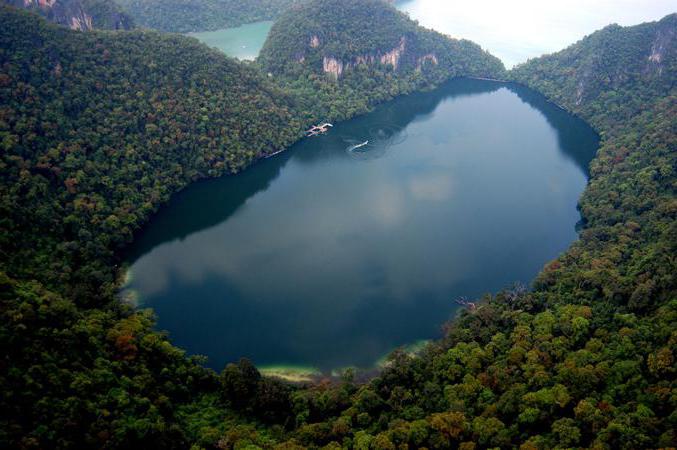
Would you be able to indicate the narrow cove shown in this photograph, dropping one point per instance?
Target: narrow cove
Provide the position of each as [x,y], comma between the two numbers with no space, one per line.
[243,42]
[328,256]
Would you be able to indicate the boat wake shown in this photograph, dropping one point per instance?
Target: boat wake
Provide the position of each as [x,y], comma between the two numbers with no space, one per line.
[357,146]
[380,138]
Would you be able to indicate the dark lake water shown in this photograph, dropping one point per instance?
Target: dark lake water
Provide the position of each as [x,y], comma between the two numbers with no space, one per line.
[326,256]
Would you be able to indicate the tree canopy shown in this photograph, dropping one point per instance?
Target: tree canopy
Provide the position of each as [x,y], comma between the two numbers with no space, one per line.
[182,16]
[340,58]
[84,15]
[99,129]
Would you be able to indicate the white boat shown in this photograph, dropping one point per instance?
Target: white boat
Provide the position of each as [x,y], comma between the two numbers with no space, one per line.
[318,129]
[361,145]
[273,154]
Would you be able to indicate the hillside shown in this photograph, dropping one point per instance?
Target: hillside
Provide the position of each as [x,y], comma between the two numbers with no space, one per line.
[349,55]
[182,16]
[99,129]
[597,73]
[587,358]
[83,15]
[622,81]
[110,125]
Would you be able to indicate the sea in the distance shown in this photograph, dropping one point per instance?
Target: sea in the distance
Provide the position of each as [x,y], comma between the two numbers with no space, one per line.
[331,255]
[514,32]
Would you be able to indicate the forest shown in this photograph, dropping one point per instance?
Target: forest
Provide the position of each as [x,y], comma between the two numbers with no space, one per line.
[309,44]
[84,15]
[176,16]
[182,16]
[98,129]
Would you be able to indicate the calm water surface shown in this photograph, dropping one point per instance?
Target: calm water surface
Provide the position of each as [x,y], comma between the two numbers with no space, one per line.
[329,255]
[243,42]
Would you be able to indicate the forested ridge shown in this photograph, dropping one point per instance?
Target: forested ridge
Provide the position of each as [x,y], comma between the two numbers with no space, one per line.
[98,129]
[84,15]
[341,58]
[182,16]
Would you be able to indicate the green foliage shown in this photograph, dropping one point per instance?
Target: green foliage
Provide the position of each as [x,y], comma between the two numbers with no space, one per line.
[341,57]
[243,388]
[88,378]
[586,358]
[80,14]
[107,15]
[101,128]
[182,16]
[98,129]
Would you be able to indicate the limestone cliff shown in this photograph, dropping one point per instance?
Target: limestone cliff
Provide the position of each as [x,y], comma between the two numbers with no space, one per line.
[608,60]
[353,54]
[337,37]
[82,15]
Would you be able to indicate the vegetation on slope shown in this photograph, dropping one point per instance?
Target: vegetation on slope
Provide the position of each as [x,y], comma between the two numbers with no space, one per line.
[585,359]
[342,57]
[622,81]
[182,16]
[82,15]
[98,129]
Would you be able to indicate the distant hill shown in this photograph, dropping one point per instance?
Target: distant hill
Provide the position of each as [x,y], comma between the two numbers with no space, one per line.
[369,49]
[586,357]
[623,81]
[143,99]
[617,67]
[84,15]
[183,16]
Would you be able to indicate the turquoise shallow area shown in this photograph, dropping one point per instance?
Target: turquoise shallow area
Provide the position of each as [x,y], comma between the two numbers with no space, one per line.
[242,42]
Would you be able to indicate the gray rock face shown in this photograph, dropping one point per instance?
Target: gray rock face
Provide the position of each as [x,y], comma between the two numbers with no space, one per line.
[82,15]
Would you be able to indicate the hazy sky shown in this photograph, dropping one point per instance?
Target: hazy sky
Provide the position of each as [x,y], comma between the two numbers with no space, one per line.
[520,29]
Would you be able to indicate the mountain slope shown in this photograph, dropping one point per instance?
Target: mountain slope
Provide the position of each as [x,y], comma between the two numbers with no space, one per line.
[348,55]
[97,130]
[585,359]
[113,124]
[83,15]
[183,16]
[589,73]
[622,81]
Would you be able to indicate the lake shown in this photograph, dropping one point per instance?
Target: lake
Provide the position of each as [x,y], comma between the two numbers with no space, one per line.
[243,42]
[329,255]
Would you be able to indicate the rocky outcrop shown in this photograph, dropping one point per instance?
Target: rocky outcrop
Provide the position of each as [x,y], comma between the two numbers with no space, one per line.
[430,58]
[367,38]
[79,15]
[335,68]
[393,56]
[81,23]
[332,67]
[665,36]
